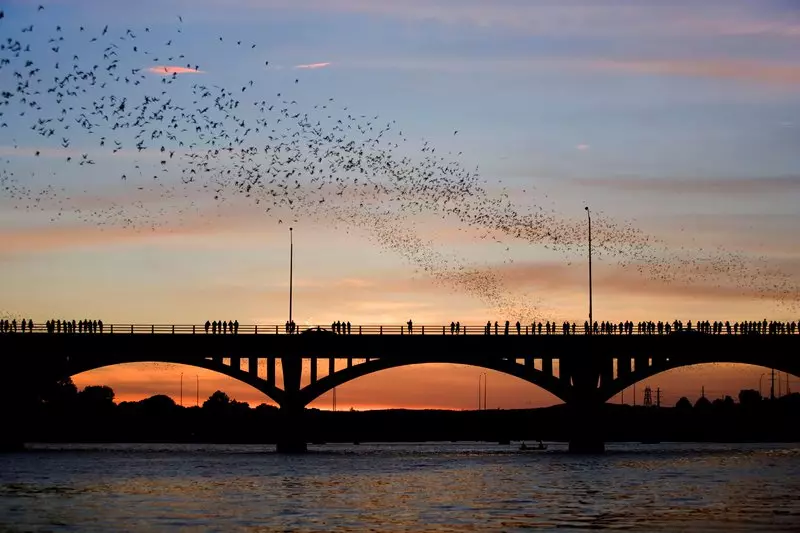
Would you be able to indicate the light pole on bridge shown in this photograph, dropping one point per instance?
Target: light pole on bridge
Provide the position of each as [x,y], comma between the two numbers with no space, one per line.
[291,269]
[482,376]
[589,215]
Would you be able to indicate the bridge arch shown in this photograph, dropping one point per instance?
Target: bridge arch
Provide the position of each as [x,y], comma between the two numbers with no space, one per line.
[551,384]
[275,394]
[621,383]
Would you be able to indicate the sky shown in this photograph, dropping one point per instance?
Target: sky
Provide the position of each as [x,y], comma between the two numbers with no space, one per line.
[680,119]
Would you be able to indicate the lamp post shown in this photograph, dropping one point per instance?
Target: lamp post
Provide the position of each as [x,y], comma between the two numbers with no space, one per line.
[482,376]
[591,322]
[291,268]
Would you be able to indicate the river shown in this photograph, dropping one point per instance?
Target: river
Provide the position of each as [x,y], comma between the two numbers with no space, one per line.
[400,487]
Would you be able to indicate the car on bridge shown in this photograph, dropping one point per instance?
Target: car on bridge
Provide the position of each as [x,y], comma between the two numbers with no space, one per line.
[318,331]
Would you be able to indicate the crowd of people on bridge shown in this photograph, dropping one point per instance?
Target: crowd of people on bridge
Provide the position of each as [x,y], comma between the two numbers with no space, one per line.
[10,326]
[74,326]
[222,327]
[342,328]
[642,328]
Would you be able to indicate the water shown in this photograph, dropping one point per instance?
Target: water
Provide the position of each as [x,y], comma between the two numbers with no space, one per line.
[432,487]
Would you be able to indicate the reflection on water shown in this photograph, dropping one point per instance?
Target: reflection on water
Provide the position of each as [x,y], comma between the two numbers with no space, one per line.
[135,487]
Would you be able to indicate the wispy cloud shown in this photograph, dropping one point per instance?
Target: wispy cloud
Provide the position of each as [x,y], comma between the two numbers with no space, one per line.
[311,66]
[573,17]
[762,185]
[169,70]
[752,71]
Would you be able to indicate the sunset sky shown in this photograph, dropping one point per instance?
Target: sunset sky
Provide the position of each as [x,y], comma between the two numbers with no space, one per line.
[681,118]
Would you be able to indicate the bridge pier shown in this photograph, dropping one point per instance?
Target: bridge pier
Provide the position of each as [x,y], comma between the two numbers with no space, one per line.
[585,412]
[291,430]
[292,427]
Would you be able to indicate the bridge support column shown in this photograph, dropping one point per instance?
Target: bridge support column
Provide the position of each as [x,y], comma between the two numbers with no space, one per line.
[291,431]
[586,429]
[12,422]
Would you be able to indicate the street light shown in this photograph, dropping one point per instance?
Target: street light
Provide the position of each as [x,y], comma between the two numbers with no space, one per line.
[291,259]
[589,215]
[483,376]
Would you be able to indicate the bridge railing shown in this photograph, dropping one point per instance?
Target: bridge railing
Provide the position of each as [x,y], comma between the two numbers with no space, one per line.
[370,329]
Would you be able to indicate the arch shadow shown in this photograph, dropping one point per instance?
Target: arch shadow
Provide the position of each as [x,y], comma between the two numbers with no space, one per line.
[272,392]
[551,384]
[616,386]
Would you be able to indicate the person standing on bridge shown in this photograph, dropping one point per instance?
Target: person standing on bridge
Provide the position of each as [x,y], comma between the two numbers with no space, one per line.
[410,326]
[452,327]
[519,327]
[208,325]
[236,327]
[506,328]
[458,327]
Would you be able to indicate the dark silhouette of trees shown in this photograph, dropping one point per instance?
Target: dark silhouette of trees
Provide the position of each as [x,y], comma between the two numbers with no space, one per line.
[683,404]
[702,403]
[158,405]
[97,397]
[218,401]
[749,398]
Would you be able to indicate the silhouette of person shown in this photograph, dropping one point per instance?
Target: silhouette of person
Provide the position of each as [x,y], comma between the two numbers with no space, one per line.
[207,325]
[452,327]
[410,326]
[519,327]
[458,327]
[506,328]
[236,326]
[495,327]
[214,327]
[488,327]
[24,324]
[348,327]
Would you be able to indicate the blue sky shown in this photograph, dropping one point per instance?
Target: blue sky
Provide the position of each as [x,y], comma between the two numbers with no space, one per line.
[680,118]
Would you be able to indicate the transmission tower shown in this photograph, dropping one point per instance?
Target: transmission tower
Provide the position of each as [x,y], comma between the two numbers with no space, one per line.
[648,397]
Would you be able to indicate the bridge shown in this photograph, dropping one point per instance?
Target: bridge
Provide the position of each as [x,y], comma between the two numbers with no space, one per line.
[583,369]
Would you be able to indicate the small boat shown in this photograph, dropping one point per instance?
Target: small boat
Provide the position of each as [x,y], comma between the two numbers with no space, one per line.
[525,448]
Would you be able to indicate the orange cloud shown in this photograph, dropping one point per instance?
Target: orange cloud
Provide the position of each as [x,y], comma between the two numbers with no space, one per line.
[313,65]
[168,70]
[625,281]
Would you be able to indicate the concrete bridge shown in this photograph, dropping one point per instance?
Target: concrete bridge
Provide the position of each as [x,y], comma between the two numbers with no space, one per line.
[583,370]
